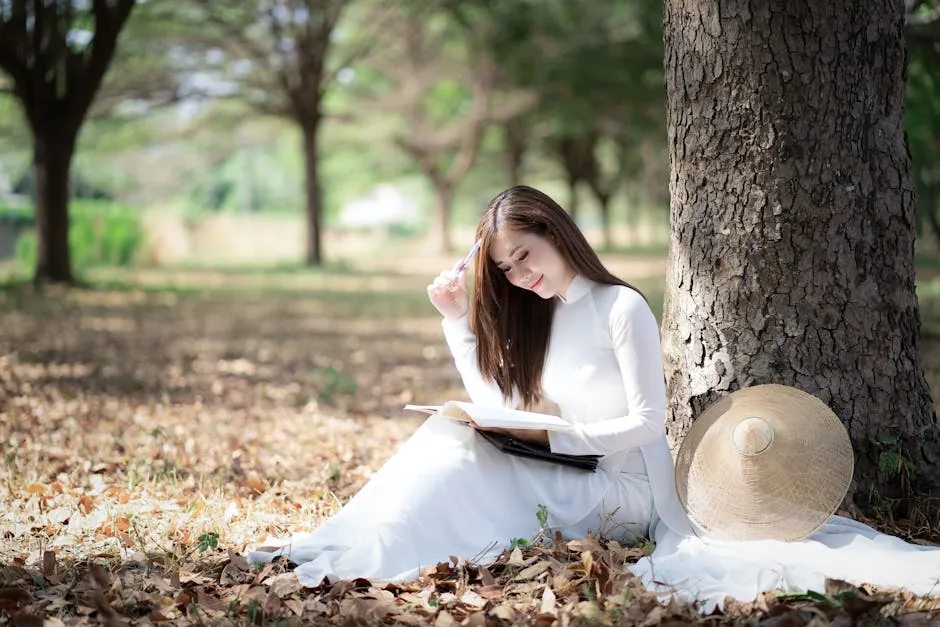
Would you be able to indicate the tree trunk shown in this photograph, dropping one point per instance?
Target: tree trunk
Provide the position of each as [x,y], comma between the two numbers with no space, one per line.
[444,200]
[573,200]
[314,194]
[515,149]
[52,161]
[792,209]
[603,201]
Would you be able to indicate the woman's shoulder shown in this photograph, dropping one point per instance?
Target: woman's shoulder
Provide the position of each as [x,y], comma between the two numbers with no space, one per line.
[619,301]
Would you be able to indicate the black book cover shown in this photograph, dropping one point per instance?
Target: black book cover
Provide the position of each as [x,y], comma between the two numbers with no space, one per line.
[520,448]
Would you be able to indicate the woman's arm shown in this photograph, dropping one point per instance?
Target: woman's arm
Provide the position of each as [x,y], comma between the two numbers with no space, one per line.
[635,337]
[463,346]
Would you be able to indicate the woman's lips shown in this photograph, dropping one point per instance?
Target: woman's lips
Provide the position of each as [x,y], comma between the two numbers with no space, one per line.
[537,284]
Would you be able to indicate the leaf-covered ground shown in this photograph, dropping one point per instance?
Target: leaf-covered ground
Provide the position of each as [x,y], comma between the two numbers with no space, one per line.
[155,429]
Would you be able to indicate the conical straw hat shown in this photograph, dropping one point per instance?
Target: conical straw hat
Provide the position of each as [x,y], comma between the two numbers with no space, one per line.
[766,462]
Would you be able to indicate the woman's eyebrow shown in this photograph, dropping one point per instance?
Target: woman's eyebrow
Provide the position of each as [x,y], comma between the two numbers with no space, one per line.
[512,252]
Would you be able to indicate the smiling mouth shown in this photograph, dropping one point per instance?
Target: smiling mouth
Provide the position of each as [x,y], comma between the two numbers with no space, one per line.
[538,283]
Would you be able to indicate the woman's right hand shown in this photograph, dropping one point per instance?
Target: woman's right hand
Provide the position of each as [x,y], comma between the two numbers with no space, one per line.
[448,293]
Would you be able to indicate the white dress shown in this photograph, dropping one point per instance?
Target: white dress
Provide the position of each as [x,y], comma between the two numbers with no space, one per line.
[447,492]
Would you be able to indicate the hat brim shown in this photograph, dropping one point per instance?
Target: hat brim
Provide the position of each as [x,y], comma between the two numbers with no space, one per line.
[785,491]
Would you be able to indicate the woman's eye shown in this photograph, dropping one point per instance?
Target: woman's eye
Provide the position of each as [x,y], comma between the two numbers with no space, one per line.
[505,270]
[524,256]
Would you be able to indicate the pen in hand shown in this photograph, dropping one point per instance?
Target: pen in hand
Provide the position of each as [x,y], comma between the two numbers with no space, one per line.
[463,265]
[466,260]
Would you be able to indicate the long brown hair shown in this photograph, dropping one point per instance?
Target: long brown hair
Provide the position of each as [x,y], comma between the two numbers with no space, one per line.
[513,325]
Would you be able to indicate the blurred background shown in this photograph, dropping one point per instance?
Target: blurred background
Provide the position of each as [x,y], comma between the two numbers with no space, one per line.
[280,133]
[196,149]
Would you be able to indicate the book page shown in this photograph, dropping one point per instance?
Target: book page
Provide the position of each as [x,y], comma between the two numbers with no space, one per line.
[430,410]
[504,418]
[499,417]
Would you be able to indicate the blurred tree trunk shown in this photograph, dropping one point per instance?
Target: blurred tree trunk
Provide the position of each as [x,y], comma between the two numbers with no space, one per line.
[516,137]
[792,209]
[443,204]
[574,199]
[52,159]
[603,203]
[55,80]
[605,186]
[314,195]
[574,154]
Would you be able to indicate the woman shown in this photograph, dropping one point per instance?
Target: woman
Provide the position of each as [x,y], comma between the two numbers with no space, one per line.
[547,322]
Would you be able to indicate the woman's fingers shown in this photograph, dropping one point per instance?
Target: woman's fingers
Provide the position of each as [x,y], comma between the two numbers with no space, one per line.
[448,293]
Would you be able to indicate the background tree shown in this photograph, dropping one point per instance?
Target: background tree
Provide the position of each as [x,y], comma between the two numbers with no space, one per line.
[277,57]
[791,259]
[922,115]
[56,55]
[442,83]
[597,71]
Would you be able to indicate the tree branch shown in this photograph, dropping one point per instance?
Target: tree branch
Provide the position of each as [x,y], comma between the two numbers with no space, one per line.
[39,68]
[234,34]
[470,146]
[277,34]
[424,159]
[10,62]
[108,24]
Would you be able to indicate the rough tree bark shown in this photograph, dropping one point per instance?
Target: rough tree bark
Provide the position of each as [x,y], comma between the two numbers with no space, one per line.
[793,220]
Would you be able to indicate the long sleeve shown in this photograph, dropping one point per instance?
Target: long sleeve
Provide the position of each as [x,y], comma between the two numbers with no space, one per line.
[463,346]
[634,336]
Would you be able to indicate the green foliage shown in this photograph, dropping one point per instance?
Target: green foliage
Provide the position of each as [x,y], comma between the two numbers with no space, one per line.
[252,611]
[834,600]
[888,449]
[206,541]
[331,382]
[100,234]
[922,125]
[14,130]
[542,515]
[17,216]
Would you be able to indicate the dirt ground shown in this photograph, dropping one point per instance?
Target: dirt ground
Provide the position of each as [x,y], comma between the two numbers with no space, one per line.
[160,424]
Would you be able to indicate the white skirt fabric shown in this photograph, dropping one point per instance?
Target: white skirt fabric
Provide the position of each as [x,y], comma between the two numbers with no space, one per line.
[447,492]
[708,571]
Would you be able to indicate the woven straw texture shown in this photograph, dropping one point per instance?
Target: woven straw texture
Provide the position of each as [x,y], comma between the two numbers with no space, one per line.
[766,462]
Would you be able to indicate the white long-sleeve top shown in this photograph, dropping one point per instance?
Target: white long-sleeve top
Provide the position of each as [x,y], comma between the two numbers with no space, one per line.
[604,371]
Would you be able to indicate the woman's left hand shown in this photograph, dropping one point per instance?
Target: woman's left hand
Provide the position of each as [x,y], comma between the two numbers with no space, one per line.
[536,436]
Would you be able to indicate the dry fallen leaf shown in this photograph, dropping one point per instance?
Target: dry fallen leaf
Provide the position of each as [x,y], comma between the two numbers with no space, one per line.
[548,602]
[138,487]
[533,571]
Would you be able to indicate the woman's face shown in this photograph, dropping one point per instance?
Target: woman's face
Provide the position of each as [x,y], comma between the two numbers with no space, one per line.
[531,262]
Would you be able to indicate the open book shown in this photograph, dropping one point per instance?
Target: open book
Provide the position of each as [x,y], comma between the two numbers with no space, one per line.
[499,417]
[502,418]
